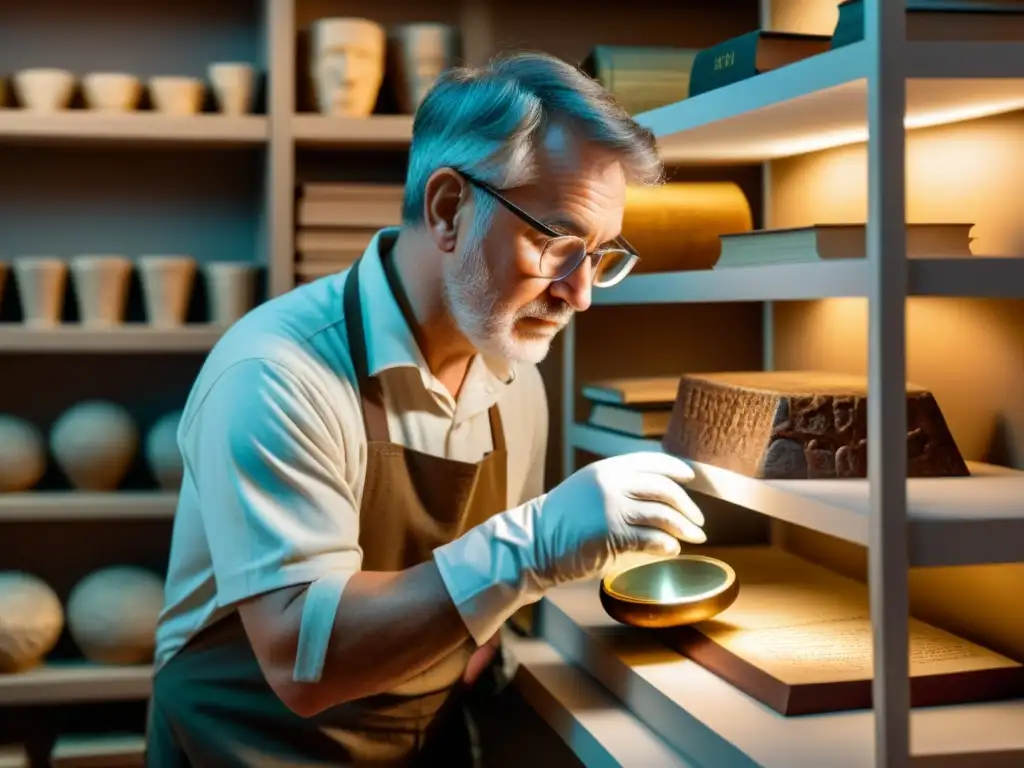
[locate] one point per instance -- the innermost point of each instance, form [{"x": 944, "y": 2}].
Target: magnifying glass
[{"x": 670, "y": 593}]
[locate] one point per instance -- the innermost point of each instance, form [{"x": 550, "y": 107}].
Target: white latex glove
[{"x": 621, "y": 506}]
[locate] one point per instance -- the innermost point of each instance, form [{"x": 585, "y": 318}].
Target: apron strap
[
  {"x": 497, "y": 430},
  {"x": 374, "y": 417}
]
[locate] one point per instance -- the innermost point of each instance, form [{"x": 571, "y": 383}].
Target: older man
[{"x": 363, "y": 503}]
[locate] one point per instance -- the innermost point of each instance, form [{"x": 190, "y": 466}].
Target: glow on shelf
[{"x": 925, "y": 118}]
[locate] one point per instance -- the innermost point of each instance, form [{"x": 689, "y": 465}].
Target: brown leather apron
[{"x": 211, "y": 705}]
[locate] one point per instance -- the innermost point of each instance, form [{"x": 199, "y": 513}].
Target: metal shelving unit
[{"x": 875, "y": 90}]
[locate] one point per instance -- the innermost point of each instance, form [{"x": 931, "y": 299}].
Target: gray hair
[{"x": 488, "y": 122}]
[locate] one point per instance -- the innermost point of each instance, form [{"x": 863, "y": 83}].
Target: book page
[{"x": 807, "y": 625}]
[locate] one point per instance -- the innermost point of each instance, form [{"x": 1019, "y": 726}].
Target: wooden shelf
[
  {"x": 953, "y": 521},
  {"x": 74, "y": 682},
  {"x": 988, "y": 277},
  {"x": 14, "y": 756},
  {"x": 113, "y": 750},
  {"x": 78, "y": 505},
  {"x": 80, "y": 125},
  {"x": 821, "y": 102},
  {"x": 382, "y": 131},
  {"x": 127, "y": 338},
  {"x": 598, "y": 729},
  {"x": 716, "y": 724}
]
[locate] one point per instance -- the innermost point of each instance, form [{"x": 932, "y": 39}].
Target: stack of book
[
  {"x": 639, "y": 407},
  {"x": 336, "y": 221},
  {"x": 825, "y": 242}
]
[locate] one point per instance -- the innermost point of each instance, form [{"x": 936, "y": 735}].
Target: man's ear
[{"x": 445, "y": 203}]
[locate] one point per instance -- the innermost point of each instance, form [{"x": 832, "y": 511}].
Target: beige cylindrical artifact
[{"x": 676, "y": 226}]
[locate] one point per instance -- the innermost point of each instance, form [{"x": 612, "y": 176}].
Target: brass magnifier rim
[{"x": 642, "y": 611}]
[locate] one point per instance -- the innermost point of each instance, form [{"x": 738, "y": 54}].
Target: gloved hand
[{"x": 609, "y": 509}]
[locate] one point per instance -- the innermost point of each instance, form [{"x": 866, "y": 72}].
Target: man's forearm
[{"x": 389, "y": 627}]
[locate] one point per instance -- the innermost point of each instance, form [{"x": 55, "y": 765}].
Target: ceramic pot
[
  {"x": 22, "y": 454},
  {"x": 162, "y": 454},
  {"x": 418, "y": 54},
  {"x": 167, "y": 283},
  {"x": 111, "y": 91},
  {"x": 347, "y": 65},
  {"x": 176, "y": 95},
  {"x": 94, "y": 444},
  {"x": 31, "y": 620},
  {"x": 101, "y": 287},
  {"x": 230, "y": 288},
  {"x": 112, "y": 614},
  {"x": 234, "y": 86},
  {"x": 42, "y": 282},
  {"x": 44, "y": 89}
]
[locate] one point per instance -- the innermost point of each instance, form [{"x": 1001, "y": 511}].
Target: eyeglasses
[{"x": 562, "y": 254}]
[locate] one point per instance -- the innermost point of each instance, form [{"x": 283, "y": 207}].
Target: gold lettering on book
[{"x": 725, "y": 60}]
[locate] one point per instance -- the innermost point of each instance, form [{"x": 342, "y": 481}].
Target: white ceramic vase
[
  {"x": 111, "y": 91},
  {"x": 94, "y": 443},
  {"x": 230, "y": 290},
  {"x": 177, "y": 96},
  {"x": 31, "y": 620},
  {"x": 101, "y": 287},
  {"x": 22, "y": 454},
  {"x": 112, "y": 614},
  {"x": 167, "y": 283},
  {"x": 233, "y": 86},
  {"x": 347, "y": 65},
  {"x": 42, "y": 282},
  {"x": 162, "y": 454},
  {"x": 44, "y": 89}
]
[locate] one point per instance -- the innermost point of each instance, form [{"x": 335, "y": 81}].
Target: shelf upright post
[
  {"x": 568, "y": 398},
  {"x": 885, "y": 36},
  {"x": 279, "y": 192}
]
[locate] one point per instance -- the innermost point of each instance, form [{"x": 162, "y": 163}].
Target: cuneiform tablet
[{"x": 786, "y": 425}]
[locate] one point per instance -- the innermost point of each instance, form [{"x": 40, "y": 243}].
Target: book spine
[
  {"x": 724, "y": 64},
  {"x": 850, "y": 26}
]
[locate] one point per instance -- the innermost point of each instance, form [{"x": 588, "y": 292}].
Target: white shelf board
[
  {"x": 821, "y": 102},
  {"x": 61, "y": 682},
  {"x": 598, "y": 728},
  {"x": 139, "y": 337},
  {"x": 81, "y": 125},
  {"x": 953, "y": 520},
  {"x": 717, "y": 724},
  {"x": 975, "y": 276},
  {"x": 84, "y": 505},
  {"x": 314, "y": 130}
]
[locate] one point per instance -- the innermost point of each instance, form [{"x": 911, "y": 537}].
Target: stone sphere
[
  {"x": 162, "y": 454},
  {"x": 22, "y": 454},
  {"x": 31, "y": 620},
  {"x": 112, "y": 614},
  {"x": 94, "y": 443}
]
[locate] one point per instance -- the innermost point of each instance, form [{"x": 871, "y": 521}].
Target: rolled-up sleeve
[{"x": 268, "y": 466}]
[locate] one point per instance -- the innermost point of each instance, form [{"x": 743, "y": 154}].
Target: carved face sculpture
[
  {"x": 420, "y": 52},
  {"x": 347, "y": 65}
]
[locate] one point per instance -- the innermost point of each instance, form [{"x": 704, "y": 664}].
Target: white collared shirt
[{"x": 274, "y": 445}]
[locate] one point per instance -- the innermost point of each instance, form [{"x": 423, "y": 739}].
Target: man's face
[{"x": 497, "y": 301}]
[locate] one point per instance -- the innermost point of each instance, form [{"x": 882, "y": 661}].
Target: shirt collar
[{"x": 389, "y": 340}]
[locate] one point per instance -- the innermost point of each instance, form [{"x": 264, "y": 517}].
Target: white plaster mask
[
  {"x": 420, "y": 53},
  {"x": 347, "y": 65}
]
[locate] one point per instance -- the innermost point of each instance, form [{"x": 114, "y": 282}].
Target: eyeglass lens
[{"x": 562, "y": 255}]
